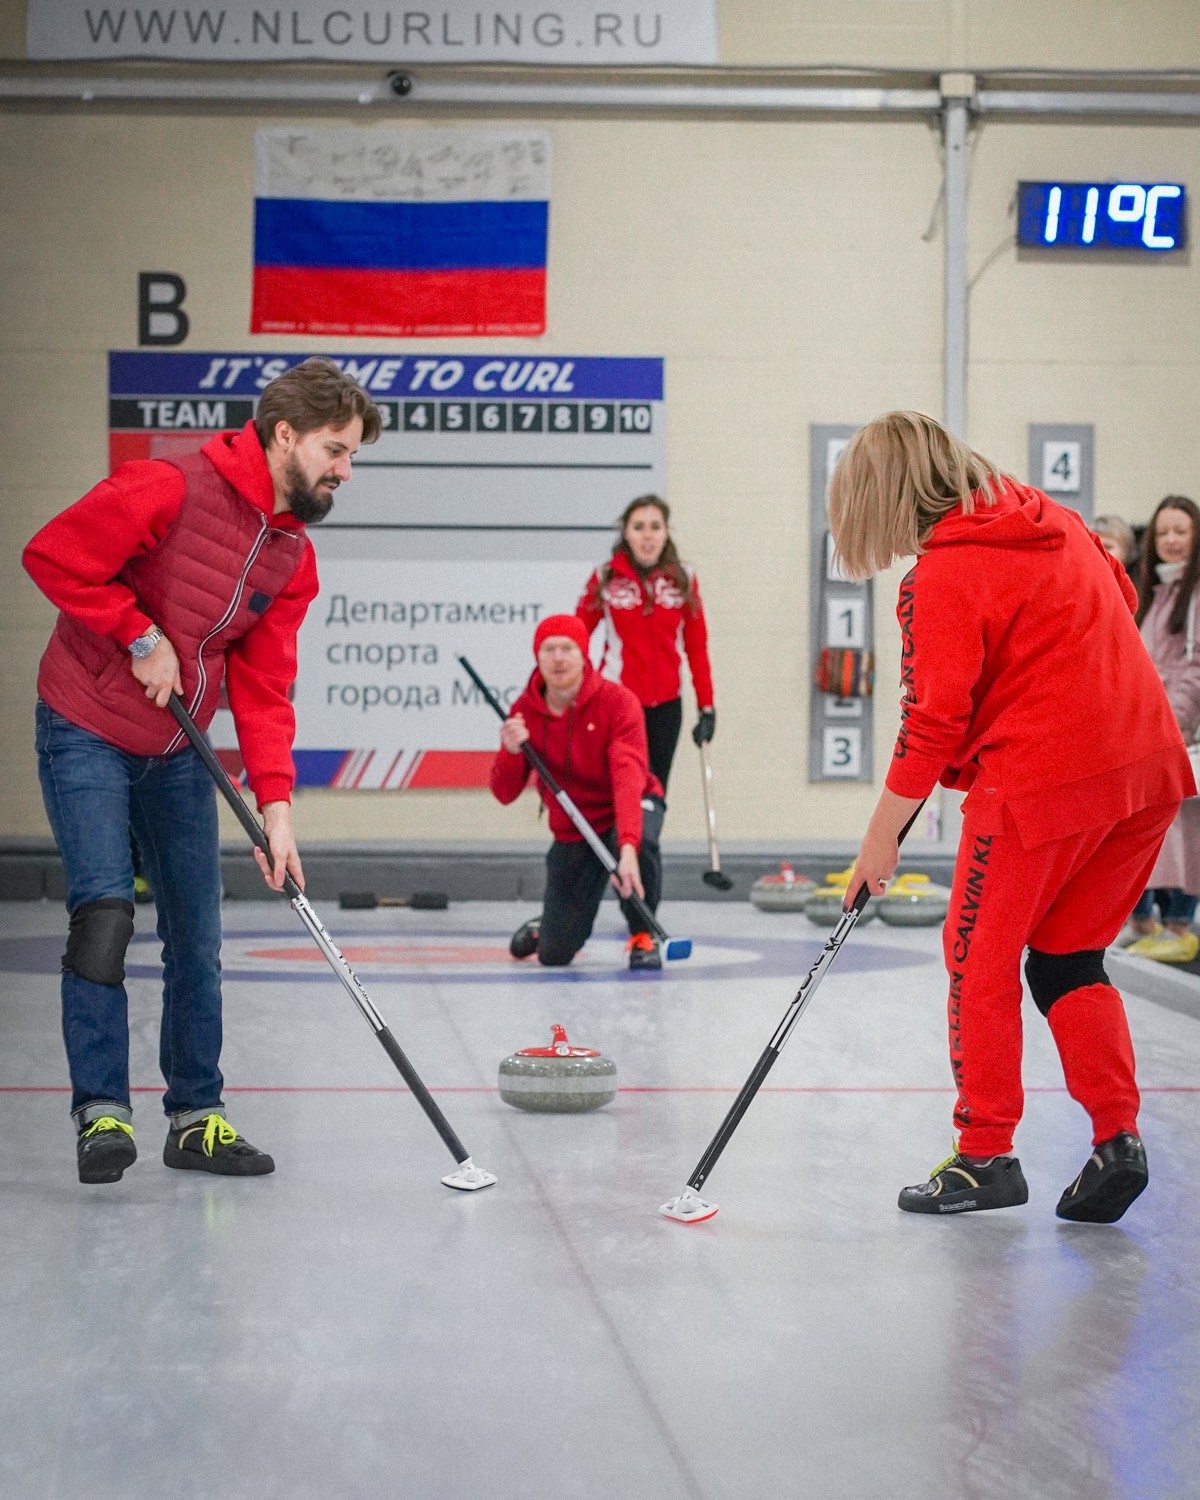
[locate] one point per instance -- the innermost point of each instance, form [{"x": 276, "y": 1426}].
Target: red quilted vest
[{"x": 207, "y": 582}]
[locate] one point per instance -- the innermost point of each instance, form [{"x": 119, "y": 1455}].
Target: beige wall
[
  {"x": 1066, "y": 34},
  {"x": 1077, "y": 340},
  {"x": 782, "y": 269},
  {"x": 920, "y": 34}
]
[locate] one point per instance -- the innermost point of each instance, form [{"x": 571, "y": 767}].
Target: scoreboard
[{"x": 490, "y": 496}]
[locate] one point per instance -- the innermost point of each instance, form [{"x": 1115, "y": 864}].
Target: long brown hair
[
  {"x": 1147, "y": 576},
  {"x": 669, "y": 561},
  {"x": 897, "y": 477}
]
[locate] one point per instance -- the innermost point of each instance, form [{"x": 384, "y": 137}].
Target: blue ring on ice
[{"x": 767, "y": 958}]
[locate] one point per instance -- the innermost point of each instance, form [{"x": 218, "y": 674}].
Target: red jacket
[
  {"x": 228, "y": 581},
  {"x": 596, "y": 751},
  {"x": 1025, "y": 679},
  {"x": 646, "y": 623}
]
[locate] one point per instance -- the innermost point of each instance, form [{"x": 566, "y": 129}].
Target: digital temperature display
[{"x": 1101, "y": 215}]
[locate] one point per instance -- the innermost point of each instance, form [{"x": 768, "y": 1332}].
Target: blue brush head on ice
[{"x": 679, "y": 948}]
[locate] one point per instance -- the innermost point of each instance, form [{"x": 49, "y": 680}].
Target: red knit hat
[{"x": 569, "y": 625}]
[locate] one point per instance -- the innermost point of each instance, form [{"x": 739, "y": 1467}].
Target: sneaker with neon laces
[
  {"x": 1169, "y": 948},
  {"x": 524, "y": 942},
  {"x": 962, "y": 1185},
  {"x": 104, "y": 1148},
  {"x": 213, "y": 1145},
  {"x": 643, "y": 952},
  {"x": 1130, "y": 934},
  {"x": 1112, "y": 1177}
]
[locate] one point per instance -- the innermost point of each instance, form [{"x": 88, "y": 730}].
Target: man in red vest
[{"x": 169, "y": 577}]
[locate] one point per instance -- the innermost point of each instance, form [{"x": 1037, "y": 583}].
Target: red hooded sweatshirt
[
  {"x": 75, "y": 560},
  {"x": 1025, "y": 679},
  {"x": 647, "y": 623},
  {"x": 596, "y": 751}
]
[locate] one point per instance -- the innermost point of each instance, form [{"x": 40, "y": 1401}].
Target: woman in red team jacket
[
  {"x": 1026, "y": 685},
  {"x": 650, "y": 606}
]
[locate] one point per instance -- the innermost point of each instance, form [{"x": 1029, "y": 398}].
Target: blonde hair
[
  {"x": 897, "y": 477},
  {"x": 1119, "y": 531}
]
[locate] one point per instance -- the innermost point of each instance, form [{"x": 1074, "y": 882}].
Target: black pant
[
  {"x": 575, "y": 883},
  {"x": 663, "y": 723}
]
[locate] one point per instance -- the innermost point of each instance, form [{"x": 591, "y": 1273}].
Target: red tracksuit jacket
[
  {"x": 1025, "y": 679},
  {"x": 647, "y": 624},
  {"x": 75, "y": 560},
  {"x": 596, "y": 751}
]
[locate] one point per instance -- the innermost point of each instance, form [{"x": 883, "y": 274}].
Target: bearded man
[{"x": 171, "y": 576}]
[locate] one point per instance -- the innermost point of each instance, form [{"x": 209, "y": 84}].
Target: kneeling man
[{"x": 592, "y": 735}]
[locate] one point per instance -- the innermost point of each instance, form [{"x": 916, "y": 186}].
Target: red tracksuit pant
[{"x": 1064, "y": 896}]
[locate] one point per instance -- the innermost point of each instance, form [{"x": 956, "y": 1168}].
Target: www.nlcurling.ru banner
[{"x": 563, "y": 32}]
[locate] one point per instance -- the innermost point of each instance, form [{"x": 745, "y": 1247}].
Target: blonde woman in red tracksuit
[
  {"x": 649, "y": 604},
  {"x": 1025, "y": 684}
]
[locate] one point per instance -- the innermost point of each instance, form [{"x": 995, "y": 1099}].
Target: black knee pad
[
  {"x": 97, "y": 940},
  {"x": 1053, "y": 975}
]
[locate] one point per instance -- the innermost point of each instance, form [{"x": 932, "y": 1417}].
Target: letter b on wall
[{"x": 161, "y": 318}]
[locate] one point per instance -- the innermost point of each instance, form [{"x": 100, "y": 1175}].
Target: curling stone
[
  {"x": 558, "y": 1079},
  {"x": 825, "y": 904},
  {"x": 914, "y": 901},
  {"x": 786, "y": 891}
]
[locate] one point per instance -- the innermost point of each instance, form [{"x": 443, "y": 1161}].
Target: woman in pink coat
[{"x": 1169, "y": 617}]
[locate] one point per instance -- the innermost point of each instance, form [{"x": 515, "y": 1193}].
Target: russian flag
[{"x": 400, "y": 233}]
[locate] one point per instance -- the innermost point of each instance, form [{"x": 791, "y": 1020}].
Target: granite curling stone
[
  {"x": 558, "y": 1079},
  {"x": 824, "y": 905},
  {"x": 786, "y": 891},
  {"x": 914, "y": 901}
]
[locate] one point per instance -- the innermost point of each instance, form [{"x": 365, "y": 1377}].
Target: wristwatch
[{"x": 144, "y": 644}]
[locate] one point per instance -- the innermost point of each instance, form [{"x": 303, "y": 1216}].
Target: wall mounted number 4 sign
[
  {"x": 1062, "y": 467},
  {"x": 1062, "y": 462}
]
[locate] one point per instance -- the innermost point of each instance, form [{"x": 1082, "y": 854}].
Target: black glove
[{"x": 706, "y": 726}]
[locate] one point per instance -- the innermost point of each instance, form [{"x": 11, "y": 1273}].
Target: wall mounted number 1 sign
[{"x": 840, "y": 636}]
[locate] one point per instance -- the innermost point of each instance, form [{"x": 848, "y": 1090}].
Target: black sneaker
[
  {"x": 956, "y": 1187},
  {"x": 643, "y": 952},
  {"x": 104, "y": 1149},
  {"x": 524, "y": 942},
  {"x": 1111, "y": 1179},
  {"x": 213, "y": 1145}
]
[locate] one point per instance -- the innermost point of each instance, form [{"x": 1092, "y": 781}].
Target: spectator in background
[
  {"x": 1167, "y": 580},
  {"x": 1118, "y": 539}
]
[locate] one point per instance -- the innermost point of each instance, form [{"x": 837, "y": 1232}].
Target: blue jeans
[
  {"x": 1174, "y": 904},
  {"x": 94, "y": 794}
]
